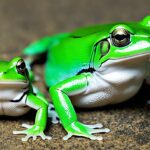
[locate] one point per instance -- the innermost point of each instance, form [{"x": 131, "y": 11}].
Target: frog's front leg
[
  {"x": 41, "y": 105},
  {"x": 59, "y": 94},
  {"x": 51, "y": 110}
]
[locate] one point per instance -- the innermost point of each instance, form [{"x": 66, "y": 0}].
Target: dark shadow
[{"x": 40, "y": 59}]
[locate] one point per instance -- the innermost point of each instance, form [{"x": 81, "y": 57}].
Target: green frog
[
  {"x": 17, "y": 97},
  {"x": 92, "y": 67}
]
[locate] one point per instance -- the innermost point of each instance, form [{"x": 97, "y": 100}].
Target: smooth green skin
[
  {"x": 69, "y": 53},
  {"x": 9, "y": 74}
]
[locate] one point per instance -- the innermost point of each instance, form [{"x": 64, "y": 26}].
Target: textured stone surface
[{"x": 24, "y": 21}]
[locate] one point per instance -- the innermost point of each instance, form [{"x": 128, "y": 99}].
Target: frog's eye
[
  {"x": 120, "y": 37},
  {"x": 21, "y": 67}
]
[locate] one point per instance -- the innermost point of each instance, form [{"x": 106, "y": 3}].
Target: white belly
[
  {"x": 15, "y": 107},
  {"x": 112, "y": 83},
  {"x": 100, "y": 92}
]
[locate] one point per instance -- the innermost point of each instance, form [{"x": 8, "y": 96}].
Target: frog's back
[
  {"x": 3, "y": 65},
  {"x": 66, "y": 59}
]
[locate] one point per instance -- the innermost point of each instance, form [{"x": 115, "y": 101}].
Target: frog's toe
[
  {"x": 55, "y": 120},
  {"x": 69, "y": 135},
  {"x": 99, "y": 138},
  {"x": 90, "y": 136},
  {"x": 44, "y": 137},
  {"x": 80, "y": 129},
  {"x": 94, "y": 126},
  {"x": 97, "y": 128},
  {"x": 93, "y": 137},
  {"x": 19, "y": 132},
  {"x": 105, "y": 130},
  {"x": 26, "y": 125},
  {"x": 26, "y": 138},
  {"x": 32, "y": 131},
  {"x": 34, "y": 138}
]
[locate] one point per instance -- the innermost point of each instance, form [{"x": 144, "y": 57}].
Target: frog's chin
[{"x": 14, "y": 84}]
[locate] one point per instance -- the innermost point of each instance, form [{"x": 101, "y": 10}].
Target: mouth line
[
  {"x": 10, "y": 81},
  {"x": 129, "y": 58},
  {"x": 15, "y": 82},
  {"x": 133, "y": 57}
]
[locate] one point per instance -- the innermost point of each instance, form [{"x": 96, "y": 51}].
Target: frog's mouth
[
  {"x": 136, "y": 59},
  {"x": 143, "y": 56},
  {"x": 14, "y": 85}
]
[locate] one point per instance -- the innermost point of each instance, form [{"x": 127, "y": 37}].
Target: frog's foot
[
  {"x": 52, "y": 114},
  {"x": 32, "y": 131},
  {"x": 79, "y": 129}
]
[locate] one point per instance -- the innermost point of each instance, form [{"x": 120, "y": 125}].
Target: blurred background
[{"x": 22, "y": 22}]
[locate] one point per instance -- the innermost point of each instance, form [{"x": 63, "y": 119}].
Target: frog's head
[
  {"x": 124, "y": 40},
  {"x": 14, "y": 73}
]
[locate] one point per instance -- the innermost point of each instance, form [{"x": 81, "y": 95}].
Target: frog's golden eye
[
  {"x": 120, "y": 37},
  {"x": 21, "y": 67}
]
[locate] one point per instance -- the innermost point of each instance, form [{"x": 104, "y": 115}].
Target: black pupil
[
  {"x": 22, "y": 66},
  {"x": 120, "y": 37}
]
